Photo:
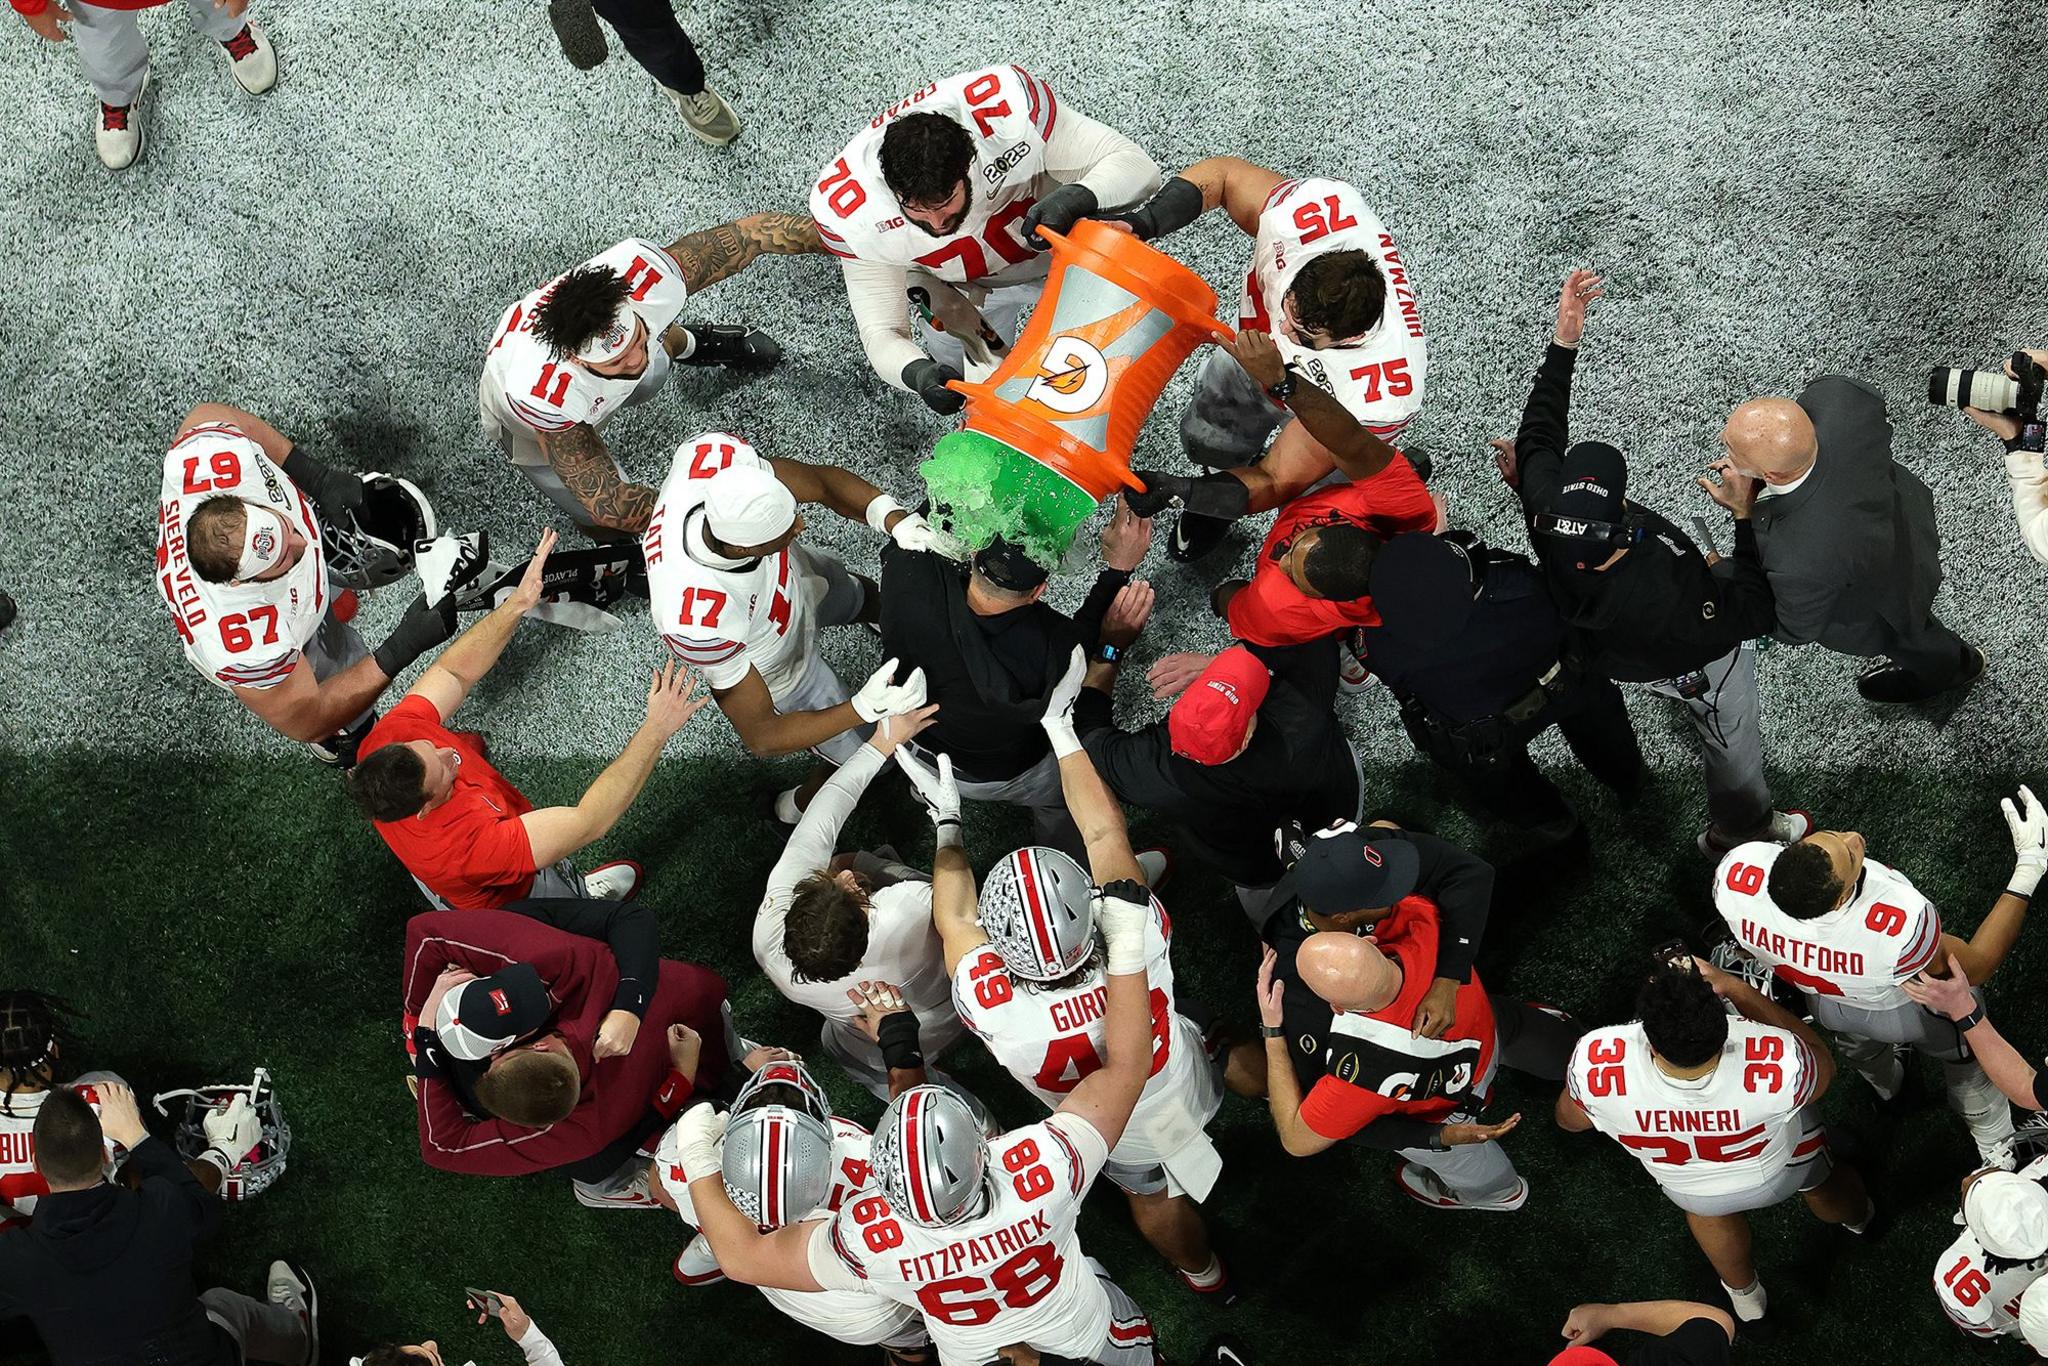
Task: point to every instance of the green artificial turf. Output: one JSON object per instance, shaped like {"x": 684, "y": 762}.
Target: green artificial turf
{"x": 119, "y": 896}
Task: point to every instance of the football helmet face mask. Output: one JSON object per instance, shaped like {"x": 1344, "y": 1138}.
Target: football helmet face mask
{"x": 777, "y": 1164}
{"x": 930, "y": 1157}
{"x": 1037, "y": 909}
{"x": 372, "y": 546}
{"x": 256, "y": 1170}
{"x": 785, "y": 1072}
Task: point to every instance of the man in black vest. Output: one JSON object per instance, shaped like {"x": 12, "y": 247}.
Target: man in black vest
{"x": 991, "y": 650}
{"x": 1847, "y": 534}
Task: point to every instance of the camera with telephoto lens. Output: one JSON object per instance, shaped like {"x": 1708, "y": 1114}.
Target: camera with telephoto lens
{"x": 2016, "y": 395}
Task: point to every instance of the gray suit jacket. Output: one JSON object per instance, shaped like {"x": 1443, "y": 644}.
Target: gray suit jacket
{"x": 1853, "y": 554}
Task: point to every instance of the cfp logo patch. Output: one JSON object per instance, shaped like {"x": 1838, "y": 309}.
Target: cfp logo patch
{"x": 1072, "y": 378}
{"x": 994, "y": 172}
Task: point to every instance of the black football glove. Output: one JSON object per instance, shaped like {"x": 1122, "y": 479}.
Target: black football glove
{"x": 332, "y": 491}
{"x": 927, "y": 378}
{"x": 421, "y": 628}
{"x": 1219, "y": 494}
{"x": 1178, "y": 203}
{"x": 1060, "y": 210}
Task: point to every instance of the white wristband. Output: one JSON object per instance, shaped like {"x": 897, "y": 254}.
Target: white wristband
{"x": 2026, "y": 876}
{"x": 1123, "y": 933}
{"x": 1064, "y": 740}
{"x": 219, "y": 1158}
{"x": 946, "y": 833}
{"x": 879, "y": 510}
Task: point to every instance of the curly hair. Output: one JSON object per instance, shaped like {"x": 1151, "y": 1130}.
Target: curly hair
{"x": 826, "y": 931}
{"x": 1339, "y": 565}
{"x": 579, "y": 308}
{"x": 1341, "y": 293}
{"x": 925, "y": 157}
{"x": 34, "y": 1028}
{"x": 1803, "y": 882}
{"x": 1682, "y": 1017}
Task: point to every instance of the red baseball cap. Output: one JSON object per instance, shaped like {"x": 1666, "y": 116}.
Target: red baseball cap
{"x": 1209, "y": 722}
{"x": 1583, "y": 1356}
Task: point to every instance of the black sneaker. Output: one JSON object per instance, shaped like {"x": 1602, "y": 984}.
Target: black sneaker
{"x": 1195, "y": 536}
{"x": 732, "y": 346}
{"x": 8, "y": 611}
{"x": 339, "y": 749}
{"x": 576, "y": 29}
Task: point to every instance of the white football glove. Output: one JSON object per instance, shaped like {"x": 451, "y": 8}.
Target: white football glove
{"x": 939, "y": 793}
{"x": 881, "y": 696}
{"x": 233, "y": 1130}
{"x": 1123, "y": 926}
{"x": 698, "y": 1134}
{"x": 2029, "y": 841}
{"x": 448, "y": 564}
{"x": 1059, "y": 706}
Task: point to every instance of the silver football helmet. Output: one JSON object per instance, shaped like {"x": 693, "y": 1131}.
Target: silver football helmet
{"x": 371, "y": 546}
{"x": 777, "y": 1164}
{"x": 258, "y": 1169}
{"x": 785, "y": 1072}
{"x": 1037, "y": 909}
{"x": 1729, "y": 956}
{"x": 930, "y": 1157}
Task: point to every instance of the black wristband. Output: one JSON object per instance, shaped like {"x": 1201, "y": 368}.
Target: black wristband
{"x": 1267, "y": 1031}
{"x": 428, "y": 1058}
{"x": 1971, "y": 1020}
{"x": 897, "y": 1034}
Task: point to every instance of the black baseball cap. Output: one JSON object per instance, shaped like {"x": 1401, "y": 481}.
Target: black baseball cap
{"x": 1593, "y": 479}
{"x": 1004, "y": 564}
{"x": 482, "y": 1016}
{"x": 1341, "y": 871}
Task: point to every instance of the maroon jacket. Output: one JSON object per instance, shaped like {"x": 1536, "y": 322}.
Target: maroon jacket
{"x": 624, "y": 1100}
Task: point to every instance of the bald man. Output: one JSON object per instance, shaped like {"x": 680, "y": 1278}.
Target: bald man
{"x": 1383, "y": 1084}
{"x": 1847, "y": 534}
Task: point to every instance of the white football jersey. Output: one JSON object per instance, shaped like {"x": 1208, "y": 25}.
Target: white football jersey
{"x": 1051, "y": 1040}
{"x": 1009, "y": 113}
{"x": 526, "y": 384}
{"x": 1013, "y": 1273}
{"x": 859, "y": 1317}
{"x": 724, "y": 615}
{"x": 248, "y": 635}
{"x": 1982, "y": 1302}
{"x": 1857, "y": 953}
{"x": 1379, "y": 379}
{"x": 1731, "y": 1131}
{"x": 21, "y": 1185}
{"x": 903, "y": 949}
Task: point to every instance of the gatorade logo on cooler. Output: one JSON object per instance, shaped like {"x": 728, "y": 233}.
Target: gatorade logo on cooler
{"x": 1072, "y": 378}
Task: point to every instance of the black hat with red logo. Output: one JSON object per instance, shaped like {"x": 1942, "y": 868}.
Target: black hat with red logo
{"x": 1341, "y": 871}
{"x": 486, "y": 1014}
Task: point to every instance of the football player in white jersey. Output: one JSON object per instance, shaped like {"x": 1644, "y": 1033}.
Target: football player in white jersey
{"x": 260, "y": 550}
{"x": 1028, "y": 980}
{"x": 734, "y": 595}
{"x": 1980, "y": 1278}
{"x": 940, "y": 197}
{"x": 784, "y": 1157}
{"x": 1848, "y": 932}
{"x": 829, "y": 927}
{"x": 602, "y": 336}
{"x": 1330, "y": 347}
{"x": 979, "y": 1233}
{"x": 1721, "y": 1110}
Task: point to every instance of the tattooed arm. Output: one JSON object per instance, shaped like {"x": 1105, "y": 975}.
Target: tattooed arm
{"x": 709, "y": 256}
{"x": 583, "y": 462}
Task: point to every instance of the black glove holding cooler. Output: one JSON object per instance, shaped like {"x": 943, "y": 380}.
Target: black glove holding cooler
{"x": 927, "y": 379}
{"x": 1178, "y": 203}
{"x": 1219, "y": 494}
{"x": 1060, "y": 210}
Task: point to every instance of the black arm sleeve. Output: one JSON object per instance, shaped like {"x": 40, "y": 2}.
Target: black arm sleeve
{"x": 1540, "y": 440}
{"x": 1747, "y": 607}
{"x": 1088, "y": 620}
{"x": 1309, "y": 668}
{"x": 1094, "y": 710}
{"x": 627, "y": 927}
{"x": 166, "y": 1182}
{"x": 1461, "y": 884}
{"x": 1391, "y": 1132}
{"x": 330, "y": 489}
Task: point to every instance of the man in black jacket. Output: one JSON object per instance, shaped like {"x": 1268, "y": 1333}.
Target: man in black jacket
{"x": 105, "y": 1272}
{"x": 1251, "y": 744}
{"x": 991, "y": 650}
{"x": 1639, "y": 601}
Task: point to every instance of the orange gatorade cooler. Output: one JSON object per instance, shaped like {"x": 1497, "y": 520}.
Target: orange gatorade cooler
{"x": 1048, "y": 436}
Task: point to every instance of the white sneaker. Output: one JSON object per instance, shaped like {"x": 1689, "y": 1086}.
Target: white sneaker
{"x": 697, "y": 1264}
{"x": 1783, "y": 827}
{"x": 1749, "y": 1304}
{"x": 251, "y": 59}
{"x": 1423, "y": 1187}
{"x": 614, "y": 881}
{"x": 1352, "y": 675}
{"x": 293, "y": 1289}
{"x": 118, "y": 137}
{"x": 1155, "y": 864}
{"x": 633, "y": 1195}
{"x": 706, "y": 114}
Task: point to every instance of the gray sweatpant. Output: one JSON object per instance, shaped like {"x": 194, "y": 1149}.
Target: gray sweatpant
{"x": 1865, "y": 1039}
{"x": 1038, "y": 790}
{"x": 1728, "y": 720}
{"x": 264, "y": 1331}
{"x": 1229, "y": 420}
{"x": 1531, "y": 1041}
{"x": 334, "y": 647}
{"x": 112, "y": 50}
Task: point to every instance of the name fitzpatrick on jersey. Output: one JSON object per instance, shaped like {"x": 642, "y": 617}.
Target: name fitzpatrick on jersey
{"x": 1688, "y": 1121}
{"x": 957, "y": 1257}
{"x": 1799, "y": 953}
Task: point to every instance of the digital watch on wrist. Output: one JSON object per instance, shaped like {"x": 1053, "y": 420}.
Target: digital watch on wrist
{"x": 1284, "y": 389}
{"x": 1106, "y": 653}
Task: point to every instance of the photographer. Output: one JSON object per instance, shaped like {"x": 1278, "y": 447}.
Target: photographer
{"x": 512, "y": 1317}
{"x": 1639, "y": 601}
{"x": 2026, "y": 467}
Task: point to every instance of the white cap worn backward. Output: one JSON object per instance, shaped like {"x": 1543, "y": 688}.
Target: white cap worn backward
{"x": 2008, "y": 1214}
{"x": 2033, "y": 1316}
{"x": 611, "y": 343}
{"x": 748, "y": 506}
{"x": 263, "y": 541}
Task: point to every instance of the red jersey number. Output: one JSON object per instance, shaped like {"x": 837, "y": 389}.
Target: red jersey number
{"x": 223, "y": 471}
{"x": 1071, "y": 1059}
{"x": 1320, "y": 218}
{"x": 1019, "y": 1283}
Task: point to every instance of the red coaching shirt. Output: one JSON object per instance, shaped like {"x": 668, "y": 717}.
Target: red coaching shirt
{"x": 1377, "y": 1066}
{"x": 1271, "y": 611}
{"x": 471, "y": 850}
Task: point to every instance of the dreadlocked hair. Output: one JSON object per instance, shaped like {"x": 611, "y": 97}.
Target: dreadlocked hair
{"x": 578, "y": 310}
{"x": 34, "y": 1026}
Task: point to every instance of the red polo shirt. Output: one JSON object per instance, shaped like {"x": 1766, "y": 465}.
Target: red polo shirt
{"x": 1271, "y": 611}
{"x": 471, "y": 850}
